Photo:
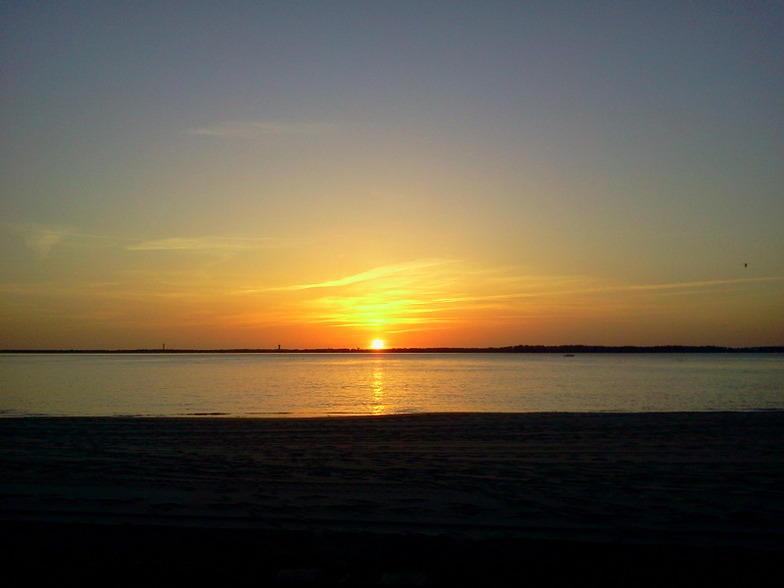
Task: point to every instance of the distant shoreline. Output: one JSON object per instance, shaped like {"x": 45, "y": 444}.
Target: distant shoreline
{"x": 562, "y": 349}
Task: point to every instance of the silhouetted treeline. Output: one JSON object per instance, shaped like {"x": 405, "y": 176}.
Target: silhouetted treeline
{"x": 634, "y": 349}
{"x": 563, "y": 349}
{"x": 570, "y": 349}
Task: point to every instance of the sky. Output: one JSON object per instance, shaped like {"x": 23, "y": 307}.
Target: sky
{"x": 221, "y": 175}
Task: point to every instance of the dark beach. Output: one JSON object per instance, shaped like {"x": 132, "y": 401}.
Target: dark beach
{"x": 488, "y": 499}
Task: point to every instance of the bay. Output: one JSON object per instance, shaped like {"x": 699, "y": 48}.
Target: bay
{"x": 337, "y": 384}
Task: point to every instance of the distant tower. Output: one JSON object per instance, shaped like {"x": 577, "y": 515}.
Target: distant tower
{"x": 164, "y": 347}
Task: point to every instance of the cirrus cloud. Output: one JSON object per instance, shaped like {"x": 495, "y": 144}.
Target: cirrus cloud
{"x": 202, "y": 244}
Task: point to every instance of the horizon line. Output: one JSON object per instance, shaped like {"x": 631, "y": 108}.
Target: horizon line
{"x": 566, "y": 348}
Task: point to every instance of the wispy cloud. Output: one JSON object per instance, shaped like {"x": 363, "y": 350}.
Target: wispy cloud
{"x": 425, "y": 294}
{"x": 42, "y": 238}
{"x": 422, "y": 293}
{"x": 264, "y": 128}
{"x": 369, "y": 275}
{"x": 702, "y": 284}
{"x": 202, "y": 244}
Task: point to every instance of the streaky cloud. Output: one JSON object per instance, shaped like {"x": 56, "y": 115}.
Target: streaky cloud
{"x": 366, "y": 276}
{"x": 703, "y": 283}
{"x": 202, "y": 244}
{"x": 42, "y": 239}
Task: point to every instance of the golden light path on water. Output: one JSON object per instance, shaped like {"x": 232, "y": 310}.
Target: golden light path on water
{"x": 378, "y": 407}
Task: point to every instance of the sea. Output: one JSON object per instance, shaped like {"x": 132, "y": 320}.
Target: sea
{"x": 283, "y": 385}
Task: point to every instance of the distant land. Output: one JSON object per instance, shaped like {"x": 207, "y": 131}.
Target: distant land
{"x": 563, "y": 349}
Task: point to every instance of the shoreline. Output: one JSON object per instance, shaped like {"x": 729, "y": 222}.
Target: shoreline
{"x": 478, "y": 490}
{"x": 317, "y": 416}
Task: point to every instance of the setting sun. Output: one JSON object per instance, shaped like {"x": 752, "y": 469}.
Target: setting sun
{"x": 377, "y": 344}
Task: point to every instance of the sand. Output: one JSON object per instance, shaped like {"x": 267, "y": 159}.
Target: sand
{"x": 399, "y": 500}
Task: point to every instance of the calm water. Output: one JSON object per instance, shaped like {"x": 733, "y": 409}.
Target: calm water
{"x": 367, "y": 384}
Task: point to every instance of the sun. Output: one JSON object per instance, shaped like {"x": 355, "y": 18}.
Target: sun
{"x": 377, "y": 344}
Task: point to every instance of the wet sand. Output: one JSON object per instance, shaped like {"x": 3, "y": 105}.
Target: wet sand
{"x": 557, "y": 499}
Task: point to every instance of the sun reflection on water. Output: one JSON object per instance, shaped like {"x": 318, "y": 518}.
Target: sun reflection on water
{"x": 378, "y": 407}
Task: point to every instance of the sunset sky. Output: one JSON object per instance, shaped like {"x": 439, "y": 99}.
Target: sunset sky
{"x": 323, "y": 174}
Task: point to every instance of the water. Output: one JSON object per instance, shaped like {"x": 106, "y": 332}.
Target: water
{"x": 301, "y": 384}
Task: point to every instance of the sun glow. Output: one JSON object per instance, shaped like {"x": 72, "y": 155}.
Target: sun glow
{"x": 377, "y": 344}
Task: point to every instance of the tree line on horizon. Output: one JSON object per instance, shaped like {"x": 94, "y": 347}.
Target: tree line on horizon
{"x": 564, "y": 349}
